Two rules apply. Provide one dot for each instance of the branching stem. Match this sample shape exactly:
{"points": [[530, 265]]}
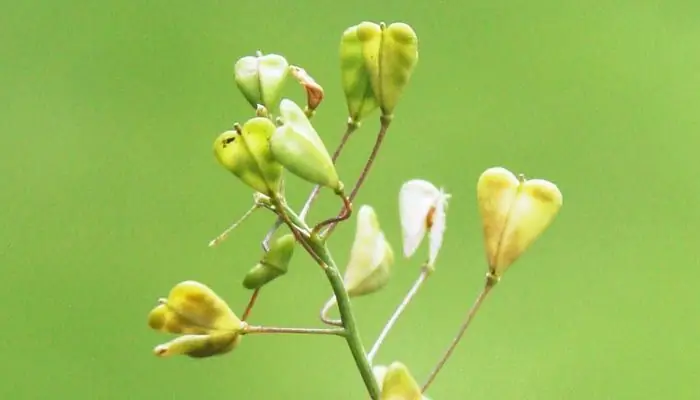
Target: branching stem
{"points": [[385, 122], [318, 249]]}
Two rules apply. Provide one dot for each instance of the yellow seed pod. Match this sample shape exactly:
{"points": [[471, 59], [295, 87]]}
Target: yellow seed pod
{"points": [[199, 346], [514, 213], [399, 384], [247, 155], [193, 308]]}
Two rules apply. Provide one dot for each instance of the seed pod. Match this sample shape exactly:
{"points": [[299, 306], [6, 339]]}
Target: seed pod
{"points": [[514, 213], [246, 153], [391, 54], [297, 147], [261, 79], [192, 307], [274, 263], [199, 346], [399, 384], [371, 257], [359, 95]]}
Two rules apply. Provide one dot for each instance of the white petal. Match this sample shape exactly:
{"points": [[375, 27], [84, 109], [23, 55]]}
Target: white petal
{"points": [[416, 198], [438, 226]]}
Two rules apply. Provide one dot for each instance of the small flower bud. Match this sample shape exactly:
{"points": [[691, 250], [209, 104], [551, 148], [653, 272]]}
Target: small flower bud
{"points": [[422, 207], [261, 79], [399, 384], [371, 257], [246, 153], [274, 263], [297, 146], [514, 214], [359, 95]]}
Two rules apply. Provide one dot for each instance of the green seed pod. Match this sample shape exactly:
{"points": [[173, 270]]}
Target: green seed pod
{"points": [[261, 79], [246, 153], [297, 146], [390, 54], [274, 263], [357, 86]]}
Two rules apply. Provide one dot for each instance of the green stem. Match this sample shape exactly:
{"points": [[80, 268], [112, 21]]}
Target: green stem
{"points": [[352, 333], [251, 329], [317, 249]]}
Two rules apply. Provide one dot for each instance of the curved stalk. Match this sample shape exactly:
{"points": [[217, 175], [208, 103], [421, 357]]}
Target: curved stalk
{"points": [[424, 273], [324, 313]]}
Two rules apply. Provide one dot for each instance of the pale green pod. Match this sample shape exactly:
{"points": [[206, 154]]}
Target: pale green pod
{"points": [[261, 79], [296, 145], [274, 70], [247, 77], [247, 155], [355, 79], [274, 263], [371, 256]]}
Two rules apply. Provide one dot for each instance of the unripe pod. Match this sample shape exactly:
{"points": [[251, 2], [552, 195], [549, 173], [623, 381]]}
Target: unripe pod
{"points": [[274, 263], [297, 146]]}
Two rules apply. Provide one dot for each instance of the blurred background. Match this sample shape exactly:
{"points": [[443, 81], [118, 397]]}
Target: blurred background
{"points": [[110, 194]]}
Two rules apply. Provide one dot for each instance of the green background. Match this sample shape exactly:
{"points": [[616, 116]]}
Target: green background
{"points": [[110, 193]]}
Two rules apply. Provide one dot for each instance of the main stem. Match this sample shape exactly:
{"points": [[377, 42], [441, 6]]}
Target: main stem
{"points": [[319, 251], [352, 335], [490, 283], [425, 272]]}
